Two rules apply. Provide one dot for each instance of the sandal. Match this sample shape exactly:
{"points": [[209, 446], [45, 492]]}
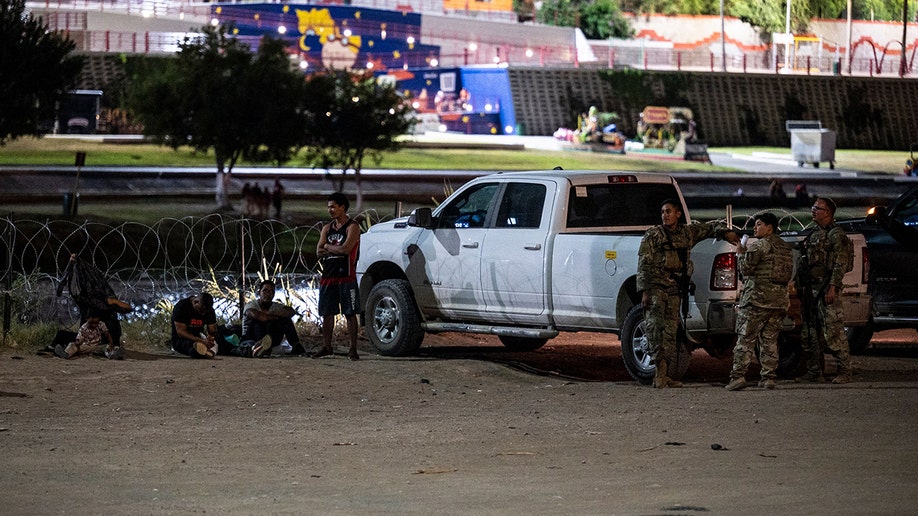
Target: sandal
{"points": [[323, 353]]}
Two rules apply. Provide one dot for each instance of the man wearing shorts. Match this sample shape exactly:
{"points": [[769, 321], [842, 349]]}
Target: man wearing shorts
{"points": [[338, 248]]}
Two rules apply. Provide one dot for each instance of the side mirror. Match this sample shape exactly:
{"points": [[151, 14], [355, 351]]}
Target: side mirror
{"points": [[422, 218], [876, 216]]}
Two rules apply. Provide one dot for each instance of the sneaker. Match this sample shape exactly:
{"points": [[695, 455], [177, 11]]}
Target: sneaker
{"points": [[59, 351], [353, 356], [767, 383], [842, 378], [201, 349], [810, 378], [116, 353], [262, 348], [736, 384]]}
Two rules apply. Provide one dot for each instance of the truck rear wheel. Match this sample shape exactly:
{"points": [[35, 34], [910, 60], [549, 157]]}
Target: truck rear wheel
{"points": [[521, 343], [393, 323], [858, 338], [636, 350]]}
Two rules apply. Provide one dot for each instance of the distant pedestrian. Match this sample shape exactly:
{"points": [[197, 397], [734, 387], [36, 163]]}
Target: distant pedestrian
{"points": [[246, 199], [277, 197], [777, 191], [803, 197]]}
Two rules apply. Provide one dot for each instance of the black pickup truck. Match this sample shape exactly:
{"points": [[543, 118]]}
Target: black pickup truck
{"points": [[892, 276]]}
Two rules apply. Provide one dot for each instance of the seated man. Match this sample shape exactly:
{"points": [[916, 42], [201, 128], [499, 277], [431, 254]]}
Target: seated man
{"points": [[263, 316], [194, 331]]}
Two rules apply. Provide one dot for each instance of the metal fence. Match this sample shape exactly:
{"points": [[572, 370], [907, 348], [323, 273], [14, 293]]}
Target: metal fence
{"points": [[153, 266]]}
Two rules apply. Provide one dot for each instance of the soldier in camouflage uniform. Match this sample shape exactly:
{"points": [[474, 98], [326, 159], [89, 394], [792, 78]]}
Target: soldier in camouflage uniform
{"points": [[821, 269], [664, 260], [766, 268]]}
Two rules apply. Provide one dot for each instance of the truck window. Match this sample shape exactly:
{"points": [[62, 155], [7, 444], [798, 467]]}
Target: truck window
{"points": [[521, 206], [625, 204], [470, 209]]}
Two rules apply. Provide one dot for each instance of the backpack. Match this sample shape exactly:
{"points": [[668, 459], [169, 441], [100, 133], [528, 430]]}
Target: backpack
{"points": [[846, 251], [782, 266]]}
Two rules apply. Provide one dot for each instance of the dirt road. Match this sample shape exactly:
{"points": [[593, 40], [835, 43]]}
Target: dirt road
{"points": [[464, 428]]}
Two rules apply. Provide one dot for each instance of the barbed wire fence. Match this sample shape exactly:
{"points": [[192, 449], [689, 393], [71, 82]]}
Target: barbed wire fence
{"points": [[153, 266]]}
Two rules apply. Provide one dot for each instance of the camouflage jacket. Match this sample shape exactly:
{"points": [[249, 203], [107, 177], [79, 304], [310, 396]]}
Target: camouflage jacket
{"points": [[823, 256], [658, 257], [765, 267]]}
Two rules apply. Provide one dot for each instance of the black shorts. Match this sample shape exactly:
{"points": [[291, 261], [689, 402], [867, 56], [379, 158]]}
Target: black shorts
{"points": [[339, 299]]}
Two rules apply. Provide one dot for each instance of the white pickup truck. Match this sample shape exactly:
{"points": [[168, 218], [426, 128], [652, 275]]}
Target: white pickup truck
{"points": [[526, 255]]}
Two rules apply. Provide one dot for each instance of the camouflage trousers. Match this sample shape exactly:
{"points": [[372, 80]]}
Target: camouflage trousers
{"points": [[757, 330], [661, 322], [825, 328]]}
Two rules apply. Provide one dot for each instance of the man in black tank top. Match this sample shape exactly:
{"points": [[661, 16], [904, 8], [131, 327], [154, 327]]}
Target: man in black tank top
{"points": [[338, 249]]}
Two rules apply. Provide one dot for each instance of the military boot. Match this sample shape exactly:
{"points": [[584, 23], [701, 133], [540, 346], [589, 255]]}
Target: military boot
{"points": [[659, 376], [669, 381], [736, 384], [844, 376], [661, 380], [810, 377]]}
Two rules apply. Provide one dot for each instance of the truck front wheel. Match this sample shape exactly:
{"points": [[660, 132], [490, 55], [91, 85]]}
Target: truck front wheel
{"points": [[636, 350], [393, 321]]}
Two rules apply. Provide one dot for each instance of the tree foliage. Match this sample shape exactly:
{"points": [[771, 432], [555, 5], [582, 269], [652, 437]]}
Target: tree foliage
{"points": [[217, 95], [602, 19], [771, 15], [598, 19], [37, 68], [768, 15], [352, 116]]}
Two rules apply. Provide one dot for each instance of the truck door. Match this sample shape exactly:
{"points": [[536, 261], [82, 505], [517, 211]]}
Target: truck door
{"points": [[452, 252], [893, 281], [513, 257]]}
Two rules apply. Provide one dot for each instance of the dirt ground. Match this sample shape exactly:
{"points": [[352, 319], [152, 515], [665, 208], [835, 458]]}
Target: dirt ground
{"points": [[463, 428]]}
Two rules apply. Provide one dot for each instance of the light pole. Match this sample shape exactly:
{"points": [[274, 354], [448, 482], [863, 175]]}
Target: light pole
{"points": [[788, 32], [723, 38], [902, 66], [850, 55]]}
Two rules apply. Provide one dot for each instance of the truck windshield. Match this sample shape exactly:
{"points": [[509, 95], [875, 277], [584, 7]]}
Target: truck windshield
{"points": [[626, 204]]}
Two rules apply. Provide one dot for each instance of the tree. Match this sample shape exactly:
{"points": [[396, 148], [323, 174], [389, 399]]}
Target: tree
{"points": [[36, 70], [352, 116], [603, 19], [599, 19], [217, 95], [769, 15]]}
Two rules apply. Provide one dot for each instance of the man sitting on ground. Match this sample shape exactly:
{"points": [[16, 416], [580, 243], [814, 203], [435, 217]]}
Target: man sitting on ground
{"points": [[194, 331], [264, 317]]}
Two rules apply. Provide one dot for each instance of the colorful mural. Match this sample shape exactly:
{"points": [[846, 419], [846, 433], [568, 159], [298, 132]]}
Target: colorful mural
{"points": [[334, 36]]}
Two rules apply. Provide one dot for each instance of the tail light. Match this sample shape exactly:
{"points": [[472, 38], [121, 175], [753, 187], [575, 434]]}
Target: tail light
{"points": [[865, 270], [723, 277]]}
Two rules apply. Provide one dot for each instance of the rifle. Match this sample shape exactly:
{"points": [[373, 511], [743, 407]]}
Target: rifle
{"points": [[684, 281], [808, 309]]}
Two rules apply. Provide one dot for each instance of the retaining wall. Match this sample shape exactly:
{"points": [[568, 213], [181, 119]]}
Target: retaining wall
{"points": [[730, 109]]}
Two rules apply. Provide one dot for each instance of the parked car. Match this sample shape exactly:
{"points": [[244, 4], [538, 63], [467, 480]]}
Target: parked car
{"points": [[892, 279]]}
